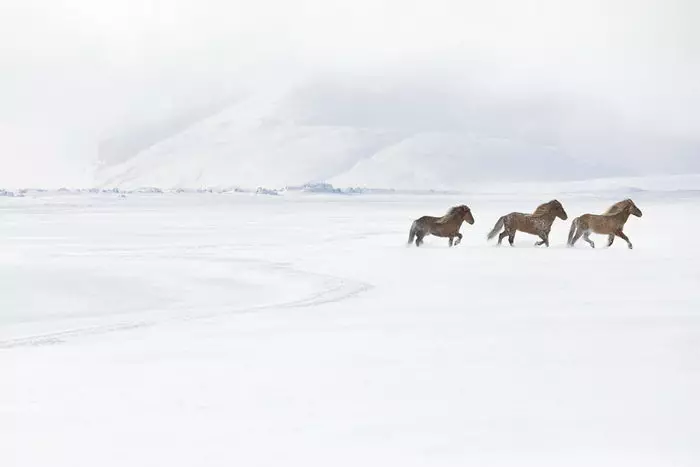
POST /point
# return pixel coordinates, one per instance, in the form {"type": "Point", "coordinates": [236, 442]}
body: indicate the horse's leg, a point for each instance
{"type": "Point", "coordinates": [511, 237]}
{"type": "Point", "coordinates": [543, 239]}
{"type": "Point", "coordinates": [419, 238]}
{"type": "Point", "coordinates": [459, 239]}
{"type": "Point", "coordinates": [579, 232]}
{"type": "Point", "coordinates": [611, 239]}
{"type": "Point", "coordinates": [624, 237]}
{"type": "Point", "coordinates": [587, 238]}
{"type": "Point", "coordinates": [503, 235]}
{"type": "Point", "coordinates": [451, 241]}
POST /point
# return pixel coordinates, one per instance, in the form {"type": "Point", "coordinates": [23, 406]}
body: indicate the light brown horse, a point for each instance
{"type": "Point", "coordinates": [538, 223]}
{"type": "Point", "coordinates": [610, 223]}
{"type": "Point", "coordinates": [445, 226]}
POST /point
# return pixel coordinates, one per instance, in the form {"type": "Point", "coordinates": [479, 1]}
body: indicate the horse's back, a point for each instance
{"type": "Point", "coordinates": [516, 217]}
{"type": "Point", "coordinates": [437, 226]}
{"type": "Point", "coordinates": [599, 223]}
{"type": "Point", "coordinates": [427, 220]}
{"type": "Point", "coordinates": [528, 223]}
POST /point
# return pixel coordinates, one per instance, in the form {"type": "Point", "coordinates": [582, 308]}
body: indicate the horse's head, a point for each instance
{"type": "Point", "coordinates": [456, 215]}
{"type": "Point", "coordinates": [467, 214]}
{"type": "Point", "coordinates": [633, 209]}
{"type": "Point", "coordinates": [558, 209]}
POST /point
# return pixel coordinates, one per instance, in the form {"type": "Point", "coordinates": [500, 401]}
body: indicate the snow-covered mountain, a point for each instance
{"type": "Point", "coordinates": [257, 141]}
{"type": "Point", "coordinates": [374, 135]}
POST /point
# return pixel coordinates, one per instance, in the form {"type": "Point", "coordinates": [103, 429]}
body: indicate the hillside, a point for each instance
{"type": "Point", "coordinates": [407, 137]}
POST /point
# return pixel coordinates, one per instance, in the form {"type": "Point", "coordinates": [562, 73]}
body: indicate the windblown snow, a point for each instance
{"type": "Point", "coordinates": [228, 329]}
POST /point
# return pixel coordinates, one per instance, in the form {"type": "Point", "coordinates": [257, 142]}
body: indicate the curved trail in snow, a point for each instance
{"type": "Point", "coordinates": [333, 289]}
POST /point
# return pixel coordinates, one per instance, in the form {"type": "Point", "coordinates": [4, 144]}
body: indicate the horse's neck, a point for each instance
{"type": "Point", "coordinates": [622, 216]}
{"type": "Point", "coordinates": [457, 221]}
{"type": "Point", "coordinates": [451, 221]}
{"type": "Point", "coordinates": [549, 217]}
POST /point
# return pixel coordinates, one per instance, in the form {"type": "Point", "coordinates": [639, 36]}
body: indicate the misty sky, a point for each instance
{"type": "Point", "coordinates": [76, 71]}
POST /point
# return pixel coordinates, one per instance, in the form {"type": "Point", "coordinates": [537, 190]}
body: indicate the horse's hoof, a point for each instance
{"type": "Point", "coordinates": [630, 246]}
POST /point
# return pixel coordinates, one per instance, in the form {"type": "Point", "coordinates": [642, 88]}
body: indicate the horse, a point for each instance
{"type": "Point", "coordinates": [610, 223]}
{"type": "Point", "coordinates": [538, 223]}
{"type": "Point", "coordinates": [445, 226]}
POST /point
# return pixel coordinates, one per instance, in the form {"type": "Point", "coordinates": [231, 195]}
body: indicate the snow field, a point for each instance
{"type": "Point", "coordinates": [265, 331]}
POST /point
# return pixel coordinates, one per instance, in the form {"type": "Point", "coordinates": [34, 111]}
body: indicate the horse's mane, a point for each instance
{"type": "Point", "coordinates": [451, 213]}
{"type": "Point", "coordinates": [545, 208]}
{"type": "Point", "coordinates": [617, 207]}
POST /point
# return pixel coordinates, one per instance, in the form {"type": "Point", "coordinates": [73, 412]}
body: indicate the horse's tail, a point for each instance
{"type": "Point", "coordinates": [412, 233]}
{"type": "Point", "coordinates": [572, 231]}
{"type": "Point", "coordinates": [496, 228]}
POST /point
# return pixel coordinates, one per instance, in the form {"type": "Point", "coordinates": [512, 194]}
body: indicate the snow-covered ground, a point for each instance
{"type": "Point", "coordinates": [252, 330]}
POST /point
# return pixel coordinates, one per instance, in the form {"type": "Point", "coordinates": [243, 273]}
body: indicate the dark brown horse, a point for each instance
{"type": "Point", "coordinates": [538, 223]}
{"type": "Point", "coordinates": [610, 223]}
{"type": "Point", "coordinates": [445, 226]}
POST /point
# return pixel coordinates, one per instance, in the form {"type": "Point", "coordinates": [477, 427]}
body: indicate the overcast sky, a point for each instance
{"type": "Point", "coordinates": [73, 71]}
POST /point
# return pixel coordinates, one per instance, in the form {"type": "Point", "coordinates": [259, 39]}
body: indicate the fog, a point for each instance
{"type": "Point", "coordinates": [76, 73]}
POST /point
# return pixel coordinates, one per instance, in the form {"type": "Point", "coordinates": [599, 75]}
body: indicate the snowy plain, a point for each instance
{"type": "Point", "coordinates": [235, 329]}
